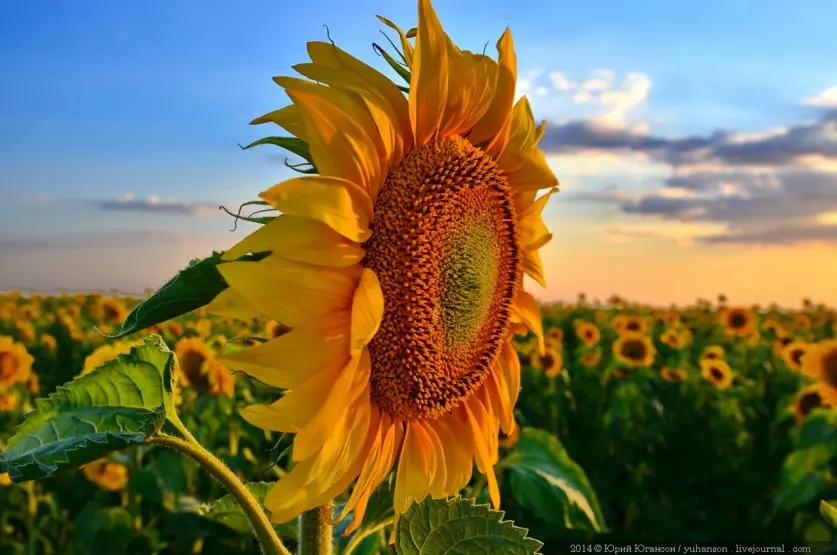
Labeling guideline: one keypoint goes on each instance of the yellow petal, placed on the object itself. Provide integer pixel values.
(312, 437)
(470, 90)
(340, 204)
(437, 453)
(290, 359)
(494, 127)
(298, 407)
(289, 118)
(292, 292)
(523, 200)
(534, 174)
(533, 232)
(481, 448)
(231, 304)
(367, 310)
(527, 310)
(522, 137)
(457, 453)
(510, 365)
(405, 44)
(340, 132)
(532, 266)
(301, 239)
(415, 472)
(500, 389)
(429, 81)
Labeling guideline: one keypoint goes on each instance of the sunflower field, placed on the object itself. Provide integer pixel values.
(700, 424)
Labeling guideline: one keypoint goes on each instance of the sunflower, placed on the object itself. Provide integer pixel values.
(634, 324)
(588, 332)
(200, 368)
(112, 310)
(792, 354)
(740, 322)
(15, 363)
(676, 338)
(113, 476)
(550, 362)
(203, 328)
(8, 402)
(399, 269)
(809, 398)
(718, 372)
(104, 354)
(712, 352)
(820, 363)
(5, 480)
(555, 334)
(48, 341)
(673, 374)
(633, 350)
(590, 359)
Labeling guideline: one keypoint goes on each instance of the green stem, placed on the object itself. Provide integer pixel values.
(365, 533)
(315, 531)
(271, 544)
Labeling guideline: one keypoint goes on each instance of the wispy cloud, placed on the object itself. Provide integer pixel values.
(116, 238)
(156, 205)
(827, 98)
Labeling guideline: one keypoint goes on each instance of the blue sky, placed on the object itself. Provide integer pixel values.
(105, 104)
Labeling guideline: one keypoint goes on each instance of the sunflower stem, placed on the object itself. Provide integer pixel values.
(315, 531)
(271, 544)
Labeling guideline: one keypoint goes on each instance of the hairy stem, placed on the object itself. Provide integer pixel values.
(271, 544)
(315, 531)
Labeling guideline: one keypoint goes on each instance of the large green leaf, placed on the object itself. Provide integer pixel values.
(228, 512)
(546, 480)
(193, 287)
(119, 404)
(438, 526)
(806, 471)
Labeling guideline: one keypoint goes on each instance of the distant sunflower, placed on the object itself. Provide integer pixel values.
(634, 350)
(780, 344)
(15, 363)
(635, 324)
(676, 338)
(590, 359)
(673, 374)
(740, 322)
(718, 372)
(399, 269)
(809, 398)
(5, 480)
(103, 354)
(111, 475)
(48, 342)
(793, 353)
(550, 362)
(8, 402)
(112, 310)
(555, 334)
(712, 352)
(588, 332)
(199, 368)
(820, 363)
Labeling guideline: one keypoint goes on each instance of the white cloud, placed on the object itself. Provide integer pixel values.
(632, 92)
(560, 82)
(827, 98)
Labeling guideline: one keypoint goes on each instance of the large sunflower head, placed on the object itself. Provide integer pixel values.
(15, 363)
(740, 322)
(634, 350)
(809, 398)
(399, 269)
(717, 372)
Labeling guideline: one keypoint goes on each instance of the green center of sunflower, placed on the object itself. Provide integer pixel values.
(445, 249)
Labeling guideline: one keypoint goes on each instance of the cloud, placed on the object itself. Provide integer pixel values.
(790, 235)
(608, 195)
(156, 205)
(827, 98)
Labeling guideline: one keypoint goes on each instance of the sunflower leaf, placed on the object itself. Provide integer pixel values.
(193, 287)
(545, 479)
(119, 404)
(227, 511)
(437, 526)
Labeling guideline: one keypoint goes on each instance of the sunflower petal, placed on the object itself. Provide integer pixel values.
(470, 90)
(415, 473)
(405, 44)
(340, 132)
(290, 359)
(533, 232)
(527, 310)
(533, 267)
(288, 118)
(292, 292)
(510, 365)
(534, 174)
(495, 125)
(437, 453)
(481, 448)
(340, 204)
(229, 303)
(300, 239)
(429, 86)
(522, 137)
(367, 310)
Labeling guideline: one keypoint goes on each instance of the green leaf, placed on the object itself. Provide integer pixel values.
(228, 512)
(393, 63)
(438, 526)
(546, 480)
(193, 287)
(119, 404)
(829, 512)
